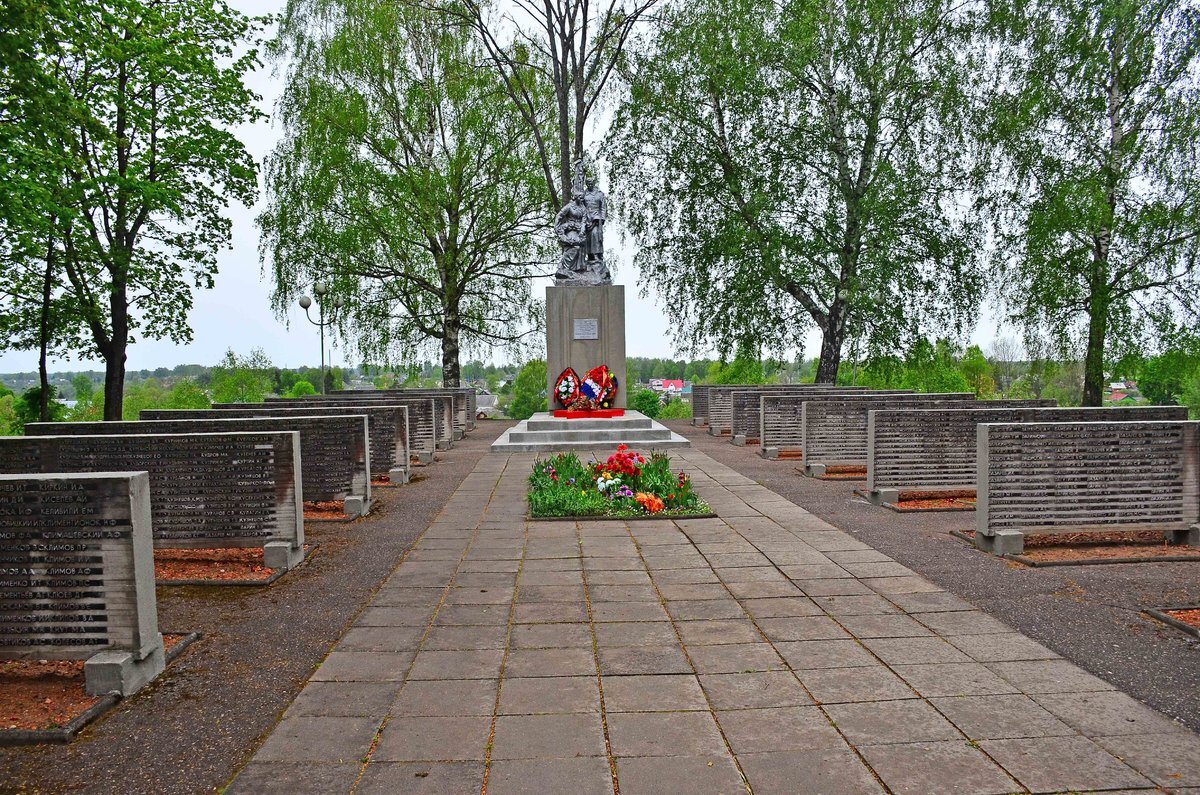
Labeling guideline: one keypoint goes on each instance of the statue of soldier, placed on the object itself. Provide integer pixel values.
(597, 209)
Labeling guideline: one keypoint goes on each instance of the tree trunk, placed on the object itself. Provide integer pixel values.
(115, 355)
(451, 369)
(1093, 363)
(44, 335)
(832, 337)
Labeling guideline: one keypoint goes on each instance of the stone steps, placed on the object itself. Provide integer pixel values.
(546, 433)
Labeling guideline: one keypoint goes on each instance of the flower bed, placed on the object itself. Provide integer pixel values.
(626, 484)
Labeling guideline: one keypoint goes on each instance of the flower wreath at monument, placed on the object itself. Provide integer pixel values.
(597, 391)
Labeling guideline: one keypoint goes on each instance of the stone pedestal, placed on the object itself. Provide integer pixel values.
(585, 327)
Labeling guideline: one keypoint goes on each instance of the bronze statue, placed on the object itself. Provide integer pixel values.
(580, 230)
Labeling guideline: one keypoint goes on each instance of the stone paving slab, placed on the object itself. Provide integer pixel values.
(763, 651)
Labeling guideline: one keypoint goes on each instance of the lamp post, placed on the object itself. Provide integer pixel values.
(320, 290)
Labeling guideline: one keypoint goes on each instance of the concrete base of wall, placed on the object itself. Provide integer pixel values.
(1002, 542)
(122, 672)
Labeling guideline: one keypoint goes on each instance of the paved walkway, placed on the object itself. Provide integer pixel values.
(764, 650)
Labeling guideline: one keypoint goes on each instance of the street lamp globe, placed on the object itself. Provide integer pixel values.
(339, 301)
(305, 302)
(320, 288)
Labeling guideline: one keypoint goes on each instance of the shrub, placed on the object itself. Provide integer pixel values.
(645, 401)
(300, 389)
(529, 391)
(675, 409)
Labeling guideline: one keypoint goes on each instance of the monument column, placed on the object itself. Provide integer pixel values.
(585, 328)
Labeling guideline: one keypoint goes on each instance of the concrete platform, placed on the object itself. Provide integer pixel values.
(544, 432)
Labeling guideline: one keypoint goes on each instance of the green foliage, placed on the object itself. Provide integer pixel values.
(1190, 396)
(529, 391)
(131, 179)
(926, 367)
(240, 379)
(300, 389)
(790, 165)
(28, 406)
(1096, 199)
(10, 423)
(1162, 379)
(403, 180)
(562, 485)
(645, 401)
(151, 394)
(82, 387)
(675, 409)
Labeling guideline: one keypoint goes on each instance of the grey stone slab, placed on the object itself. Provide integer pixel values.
(1056, 764)
(551, 636)
(472, 615)
(622, 593)
(736, 658)
(748, 574)
(760, 689)
(463, 664)
(319, 740)
(963, 622)
(713, 774)
(287, 778)
(589, 775)
(447, 698)
(848, 685)
(666, 693)
(804, 628)
(686, 576)
(410, 739)
(686, 591)
(1171, 760)
(1007, 647)
(829, 771)
(833, 587)
(344, 699)
(934, 768)
(854, 605)
(718, 631)
(953, 679)
(778, 729)
(396, 616)
(912, 651)
(932, 602)
(664, 733)
(548, 695)
(550, 662)
(381, 639)
(628, 660)
(466, 638)
(1004, 717)
(550, 612)
(763, 590)
(550, 593)
(364, 666)
(636, 633)
(628, 611)
(885, 626)
(1107, 713)
(900, 585)
(560, 736)
(420, 778)
(1048, 676)
(705, 610)
(782, 607)
(808, 654)
(816, 571)
(883, 722)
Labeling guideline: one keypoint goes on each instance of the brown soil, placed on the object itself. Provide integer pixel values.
(942, 494)
(844, 473)
(1189, 617)
(791, 455)
(382, 480)
(334, 509)
(1148, 544)
(934, 504)
(46, 694)
(210, 564)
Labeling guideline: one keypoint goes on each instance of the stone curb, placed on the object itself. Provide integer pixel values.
(1161, 615)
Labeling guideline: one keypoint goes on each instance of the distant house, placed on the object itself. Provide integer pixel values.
(672, 386)
(1117, 397)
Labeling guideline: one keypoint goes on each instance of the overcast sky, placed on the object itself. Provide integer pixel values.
(236, 313)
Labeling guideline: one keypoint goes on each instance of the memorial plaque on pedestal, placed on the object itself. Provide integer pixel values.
(76, 566)
(585, 328)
